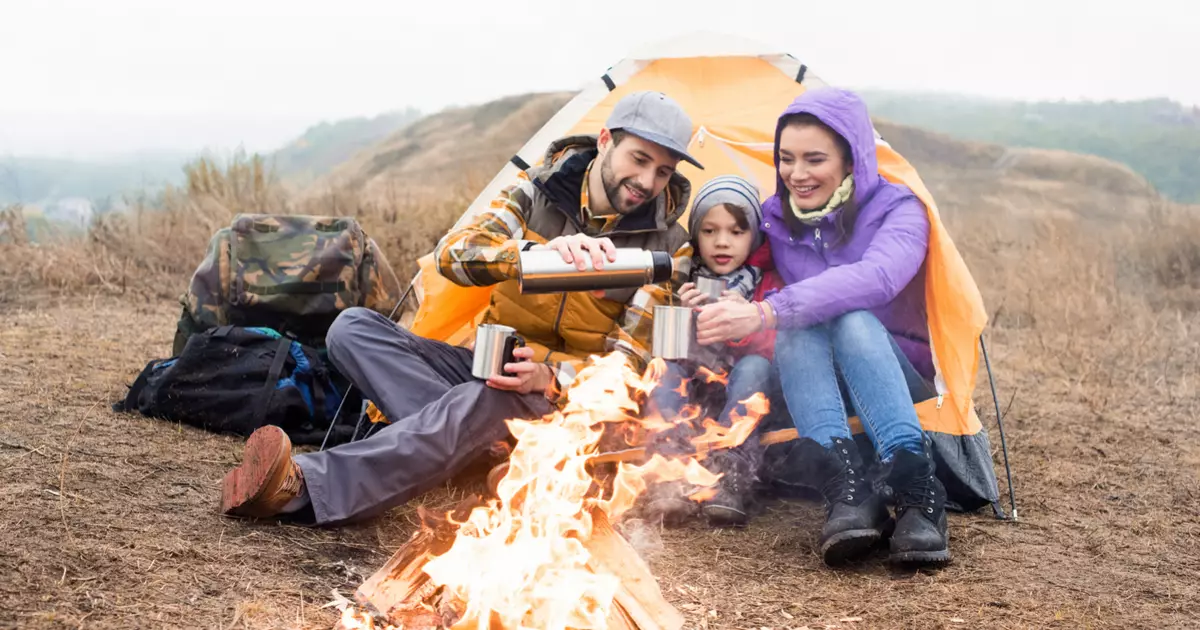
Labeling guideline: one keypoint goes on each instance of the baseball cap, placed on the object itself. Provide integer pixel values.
(655, 117)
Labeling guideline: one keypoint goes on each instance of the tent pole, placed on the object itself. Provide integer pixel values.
(337, 414)
(1012, 497)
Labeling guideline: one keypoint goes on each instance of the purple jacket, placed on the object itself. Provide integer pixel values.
(881, 268)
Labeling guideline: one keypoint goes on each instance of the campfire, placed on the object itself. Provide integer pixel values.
(543, 553)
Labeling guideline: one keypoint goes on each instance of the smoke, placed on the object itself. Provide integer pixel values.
(643, 536)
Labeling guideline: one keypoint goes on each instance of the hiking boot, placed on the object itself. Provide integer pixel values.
(855, 515)
(921, 533)
(725, 509)
(267, 478)
(667, 501)
(728, 507)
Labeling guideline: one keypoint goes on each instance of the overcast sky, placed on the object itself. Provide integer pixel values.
(93, 77)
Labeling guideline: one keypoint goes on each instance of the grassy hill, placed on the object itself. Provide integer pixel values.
(328, 144)
(450, 149)
(1160, 139)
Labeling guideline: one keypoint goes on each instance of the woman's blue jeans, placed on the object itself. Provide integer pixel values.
(851, 365)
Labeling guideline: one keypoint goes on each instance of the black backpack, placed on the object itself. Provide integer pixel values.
(232, 379)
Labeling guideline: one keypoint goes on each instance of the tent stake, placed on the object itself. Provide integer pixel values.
(1012, 497)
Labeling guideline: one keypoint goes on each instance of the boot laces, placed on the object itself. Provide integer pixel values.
(920, 493)
(847, 485)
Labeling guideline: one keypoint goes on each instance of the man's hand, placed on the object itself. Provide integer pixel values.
(577, 248)
(726, 320)
(691, 297)
(528, 376)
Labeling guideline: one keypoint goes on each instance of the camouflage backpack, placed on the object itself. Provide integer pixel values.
(292, 273)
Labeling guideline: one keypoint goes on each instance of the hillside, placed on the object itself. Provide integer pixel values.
(327, 144)
(458, 147)
(1160, 139)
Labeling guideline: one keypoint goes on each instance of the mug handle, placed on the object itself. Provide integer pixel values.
(511, 343)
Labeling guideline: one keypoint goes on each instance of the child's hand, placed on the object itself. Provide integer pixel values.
(691, 297)
(729, 295)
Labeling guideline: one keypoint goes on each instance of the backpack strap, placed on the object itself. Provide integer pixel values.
(282, 351)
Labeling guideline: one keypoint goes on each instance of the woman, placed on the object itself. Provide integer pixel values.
(851, 327)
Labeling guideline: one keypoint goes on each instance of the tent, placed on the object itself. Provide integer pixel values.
(734, 91)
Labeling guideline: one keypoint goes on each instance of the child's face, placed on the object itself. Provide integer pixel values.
(723, 245)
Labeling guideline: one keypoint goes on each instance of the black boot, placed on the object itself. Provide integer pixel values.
(921, 532)
(855, 516)
(728, 507)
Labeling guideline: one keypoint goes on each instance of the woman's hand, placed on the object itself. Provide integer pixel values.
(527, 375)
(691, 297)
(729, 295)
(725, 321)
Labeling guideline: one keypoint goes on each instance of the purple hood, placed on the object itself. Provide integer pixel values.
(879, 267)
(846, 114)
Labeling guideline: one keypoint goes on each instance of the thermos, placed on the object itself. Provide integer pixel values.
(494, 345)
(544, 271)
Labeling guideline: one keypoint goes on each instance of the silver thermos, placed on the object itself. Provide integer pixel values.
(543, 271)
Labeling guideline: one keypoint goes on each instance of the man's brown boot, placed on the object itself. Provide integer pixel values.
(266, 480)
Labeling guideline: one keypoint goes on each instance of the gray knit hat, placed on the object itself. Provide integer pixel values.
(733, 190)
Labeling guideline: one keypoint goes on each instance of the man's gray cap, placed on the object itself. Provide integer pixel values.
(655, 117)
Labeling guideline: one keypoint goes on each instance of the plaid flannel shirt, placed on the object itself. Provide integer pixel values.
(484, 251)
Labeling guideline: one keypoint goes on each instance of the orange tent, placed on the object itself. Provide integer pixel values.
(734, 92)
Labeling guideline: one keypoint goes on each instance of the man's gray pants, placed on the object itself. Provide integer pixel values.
(442, 419)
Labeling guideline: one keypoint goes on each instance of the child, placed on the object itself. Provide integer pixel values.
(724, 226)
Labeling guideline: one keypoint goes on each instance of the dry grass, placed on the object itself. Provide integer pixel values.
(153, 249)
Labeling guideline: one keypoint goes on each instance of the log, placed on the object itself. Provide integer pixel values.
(401, 592)
(638, 453)
(639, 595)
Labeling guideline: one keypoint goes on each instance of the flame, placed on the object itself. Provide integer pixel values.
(710, 376)
(741, 426)
(519, 561)
(354, 620)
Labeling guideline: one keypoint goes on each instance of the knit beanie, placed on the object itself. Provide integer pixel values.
(733, 190)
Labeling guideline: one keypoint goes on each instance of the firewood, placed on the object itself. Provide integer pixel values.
(400, 590)
(639, 453)
(639, 595)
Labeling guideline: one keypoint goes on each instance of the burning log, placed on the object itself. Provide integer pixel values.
(639, 598)
(402, 592)
(639, 453)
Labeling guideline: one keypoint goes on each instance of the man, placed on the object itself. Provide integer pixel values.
(592, 194)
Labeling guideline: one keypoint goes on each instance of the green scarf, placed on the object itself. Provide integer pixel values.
(840, 196)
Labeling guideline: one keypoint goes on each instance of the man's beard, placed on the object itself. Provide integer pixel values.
(612, 188)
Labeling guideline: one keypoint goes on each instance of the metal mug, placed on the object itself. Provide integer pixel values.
(672, 332)
(712, 287)
(494, 345)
